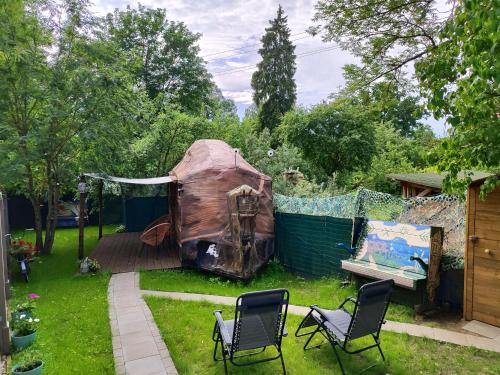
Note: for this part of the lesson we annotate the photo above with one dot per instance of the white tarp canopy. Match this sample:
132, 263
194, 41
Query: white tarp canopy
135, 181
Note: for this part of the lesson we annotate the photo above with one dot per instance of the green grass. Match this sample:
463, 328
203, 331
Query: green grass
74, 336
187, 327
325, 292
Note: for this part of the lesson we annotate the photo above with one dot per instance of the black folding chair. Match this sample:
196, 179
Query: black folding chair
259, 322
340, 327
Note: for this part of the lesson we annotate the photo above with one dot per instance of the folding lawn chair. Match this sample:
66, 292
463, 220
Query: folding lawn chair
340, 327
259, 322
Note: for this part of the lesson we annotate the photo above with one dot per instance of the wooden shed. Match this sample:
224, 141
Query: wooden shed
482, 256
426, 184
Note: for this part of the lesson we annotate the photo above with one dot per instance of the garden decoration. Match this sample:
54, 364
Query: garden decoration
89, 265
24, 331
24, 253
221, 211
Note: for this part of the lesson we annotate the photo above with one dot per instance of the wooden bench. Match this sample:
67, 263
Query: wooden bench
386, 251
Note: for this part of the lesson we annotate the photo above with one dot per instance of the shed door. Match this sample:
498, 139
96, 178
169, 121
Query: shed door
486, 258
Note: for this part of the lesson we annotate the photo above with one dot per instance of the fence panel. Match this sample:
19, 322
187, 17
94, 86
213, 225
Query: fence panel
307, 244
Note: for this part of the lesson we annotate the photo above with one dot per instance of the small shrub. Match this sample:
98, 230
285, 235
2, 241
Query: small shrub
120, 229
28, 361
94, 265
24, 325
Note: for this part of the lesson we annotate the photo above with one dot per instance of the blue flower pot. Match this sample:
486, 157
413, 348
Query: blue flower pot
35, 371
21, 342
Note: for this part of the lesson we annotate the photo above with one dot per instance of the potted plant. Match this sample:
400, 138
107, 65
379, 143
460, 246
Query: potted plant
24, 331
31, 364
25, 308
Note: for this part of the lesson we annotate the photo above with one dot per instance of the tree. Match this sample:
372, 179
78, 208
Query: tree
59, 81
334, 137
385, 35
163, 56
273, 82
455, 53
388, 100
461, 82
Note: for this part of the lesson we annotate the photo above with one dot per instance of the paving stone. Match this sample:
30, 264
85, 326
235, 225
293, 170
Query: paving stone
482, 329
139, 350
145, 366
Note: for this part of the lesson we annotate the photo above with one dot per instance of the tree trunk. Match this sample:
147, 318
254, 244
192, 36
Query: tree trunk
52, 200
35, 202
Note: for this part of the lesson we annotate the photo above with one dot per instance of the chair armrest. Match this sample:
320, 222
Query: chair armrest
348, 299
319, 311
222, 326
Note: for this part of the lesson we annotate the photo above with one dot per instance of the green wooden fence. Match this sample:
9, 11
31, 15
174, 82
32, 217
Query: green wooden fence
307, 244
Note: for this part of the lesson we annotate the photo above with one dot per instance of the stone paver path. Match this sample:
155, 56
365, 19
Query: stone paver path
438, 334
138, 348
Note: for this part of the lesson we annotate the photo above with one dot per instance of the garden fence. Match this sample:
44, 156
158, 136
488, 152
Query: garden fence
308, 245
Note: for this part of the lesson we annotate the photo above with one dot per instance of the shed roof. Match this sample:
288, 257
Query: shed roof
433, 180
211, 154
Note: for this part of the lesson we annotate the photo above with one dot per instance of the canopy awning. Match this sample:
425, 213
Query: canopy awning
135, 181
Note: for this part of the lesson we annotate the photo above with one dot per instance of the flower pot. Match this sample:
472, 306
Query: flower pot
17, 314
35, 371
21, 342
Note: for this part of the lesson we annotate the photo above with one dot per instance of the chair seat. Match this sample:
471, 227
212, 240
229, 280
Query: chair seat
227, 333
337, 322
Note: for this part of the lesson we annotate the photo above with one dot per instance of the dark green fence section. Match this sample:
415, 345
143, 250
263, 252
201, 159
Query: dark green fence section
307, 245
142, 211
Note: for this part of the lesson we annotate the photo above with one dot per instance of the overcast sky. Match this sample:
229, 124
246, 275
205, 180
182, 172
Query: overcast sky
239, 24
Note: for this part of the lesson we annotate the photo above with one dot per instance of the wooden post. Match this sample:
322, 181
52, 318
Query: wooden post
101, 185
82, 187
4, 326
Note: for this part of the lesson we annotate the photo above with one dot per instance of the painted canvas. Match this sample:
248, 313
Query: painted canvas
392, 244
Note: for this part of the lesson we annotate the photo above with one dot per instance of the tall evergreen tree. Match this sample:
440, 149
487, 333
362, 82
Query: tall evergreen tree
273, 83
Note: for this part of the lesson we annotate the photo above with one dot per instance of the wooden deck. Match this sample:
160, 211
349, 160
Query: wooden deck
123, 252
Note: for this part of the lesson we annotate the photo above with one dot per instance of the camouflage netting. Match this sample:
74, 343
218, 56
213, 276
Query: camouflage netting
443, 211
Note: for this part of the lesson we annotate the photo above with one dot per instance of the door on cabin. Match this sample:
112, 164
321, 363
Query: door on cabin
484, 236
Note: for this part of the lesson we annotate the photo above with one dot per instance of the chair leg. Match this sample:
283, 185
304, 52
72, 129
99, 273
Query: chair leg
282, 363
379, 348
311, 337
338, 358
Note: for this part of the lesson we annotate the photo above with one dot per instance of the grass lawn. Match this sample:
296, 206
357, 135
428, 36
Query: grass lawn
74, 336
325, 292
187, 327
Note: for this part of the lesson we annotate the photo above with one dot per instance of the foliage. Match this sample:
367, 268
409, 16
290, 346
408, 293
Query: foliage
61, 85
29, 360
166, 140
273, 83
163, 56
24, 325
385, 35
74, 336
94, 265
394, 154
461, 81
334, 137
390, 100
19, 246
